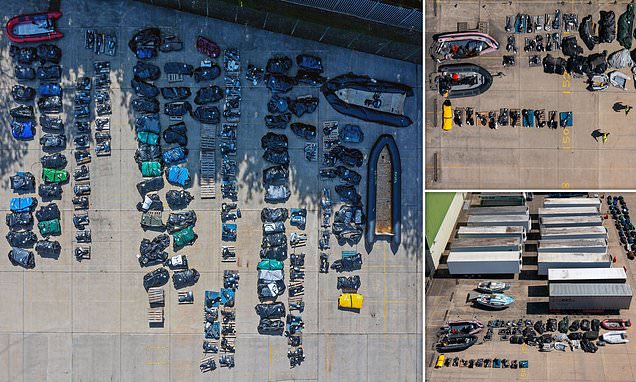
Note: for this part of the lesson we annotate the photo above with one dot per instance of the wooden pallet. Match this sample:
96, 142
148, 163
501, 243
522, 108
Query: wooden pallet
155, 316
156, 296
207, 180
207, 143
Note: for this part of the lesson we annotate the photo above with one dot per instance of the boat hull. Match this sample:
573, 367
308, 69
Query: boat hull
482, 76
443, 48
357, 84
21, 20
396, 192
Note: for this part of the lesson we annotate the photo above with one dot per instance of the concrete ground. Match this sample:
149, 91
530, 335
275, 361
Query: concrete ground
86, 321
480, 158
446, 301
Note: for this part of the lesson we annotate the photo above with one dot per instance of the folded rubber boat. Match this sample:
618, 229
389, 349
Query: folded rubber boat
368, 99
384, 193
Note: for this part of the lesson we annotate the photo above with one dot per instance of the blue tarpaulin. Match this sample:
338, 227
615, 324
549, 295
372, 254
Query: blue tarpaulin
179, 176
21, 204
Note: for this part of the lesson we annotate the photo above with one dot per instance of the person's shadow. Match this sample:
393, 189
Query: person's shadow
596, 134
618, 106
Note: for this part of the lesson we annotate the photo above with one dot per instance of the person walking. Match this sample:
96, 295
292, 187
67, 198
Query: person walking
605, 135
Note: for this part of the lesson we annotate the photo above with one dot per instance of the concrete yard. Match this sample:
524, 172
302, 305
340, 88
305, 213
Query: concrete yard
86, 321
469, 157
446, 301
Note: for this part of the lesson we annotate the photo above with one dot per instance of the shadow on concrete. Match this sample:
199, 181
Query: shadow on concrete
537, 308
538, 291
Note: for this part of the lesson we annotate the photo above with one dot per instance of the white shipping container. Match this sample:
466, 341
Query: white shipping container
579, 245
487, 244
465, 232
497, 220
583, 275
503, 210
571, 202
590, 296
568, 211
482, 263
571, 233
547, 261
579, 221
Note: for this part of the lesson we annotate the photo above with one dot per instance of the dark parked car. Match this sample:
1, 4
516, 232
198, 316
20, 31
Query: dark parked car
22, 257
156, 278
185, 278
23, 239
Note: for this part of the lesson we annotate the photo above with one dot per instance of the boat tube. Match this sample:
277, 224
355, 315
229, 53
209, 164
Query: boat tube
368, 99
34, 27
390, 225
462, 80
